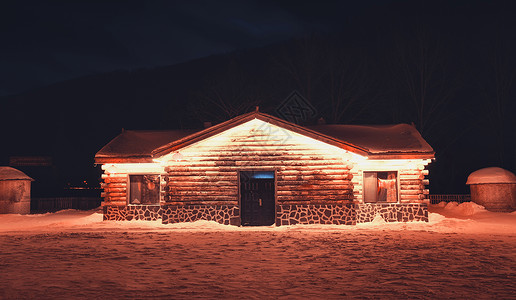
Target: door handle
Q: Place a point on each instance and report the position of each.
(260, 201)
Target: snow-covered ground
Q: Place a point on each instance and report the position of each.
(463, 252)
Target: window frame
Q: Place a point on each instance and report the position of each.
(128, 190)
(364, 192)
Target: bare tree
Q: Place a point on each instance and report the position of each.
(329, 74)
(301, 64)
(420, 70)
(497, 84)
(229, 94)
(347, 88)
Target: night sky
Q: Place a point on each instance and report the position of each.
(66, 65)
(44, 42)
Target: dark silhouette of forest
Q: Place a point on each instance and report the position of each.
(447, 70)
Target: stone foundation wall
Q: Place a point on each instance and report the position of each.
(223, 214)
(392, 212)
(132, 212)
(341, 214)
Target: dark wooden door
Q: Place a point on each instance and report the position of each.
(257, 199)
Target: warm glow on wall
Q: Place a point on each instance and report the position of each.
(393, 164)
(132, 168)
(257, 133)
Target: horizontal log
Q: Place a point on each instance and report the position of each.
(201, 181)
(201, 169)
(317, 202)
(197, 178)
(410, 172)
(220, 160)
(203, 187)
(203, 198)
(306, 171)
(310, 178)
(112, 196)
(315, 193)
(308, 187)
(115, 189)
(321, 182)
(409, 197)
(202, 173)
(294, 164)
(409, 201)
(410, 182)
(202, 193)
(113, 175)
(413, 197)
(215, 159)
(212, 203)
(115, 179)
(424, 172)
(275, 160)
(280, 166)
(108, 196)
(315, 190)
(226, 148)
(115, 203)
(411, 187)
(425, 182)
(119, 194)
(314, 178)
(410, 192)
(413, 177)
(313, 198)
(113, 184)
(426, 192)
(204, 179)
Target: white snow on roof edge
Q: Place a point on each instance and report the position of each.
(491, 175)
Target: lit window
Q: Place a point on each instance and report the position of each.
(144, 189)
(380, 187)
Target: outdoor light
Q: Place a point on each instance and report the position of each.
(177, 157)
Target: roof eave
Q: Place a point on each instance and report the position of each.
(402, 155)
(123, 159)
(216, 129)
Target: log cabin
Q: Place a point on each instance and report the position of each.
(257, 169)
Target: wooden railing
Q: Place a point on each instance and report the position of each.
(40, 205)
(434, 199)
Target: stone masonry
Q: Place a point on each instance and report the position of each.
(223, 214)
(132, 212)
(341, 214)
(392, 212)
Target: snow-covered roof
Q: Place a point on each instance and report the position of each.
(375, 141)
(8, 173)
(133, 143)
(491, 175)
(378, 138)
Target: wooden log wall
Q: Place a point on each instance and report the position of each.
(411, 181)
(114, 187)
(307, 171)
(413, 185)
